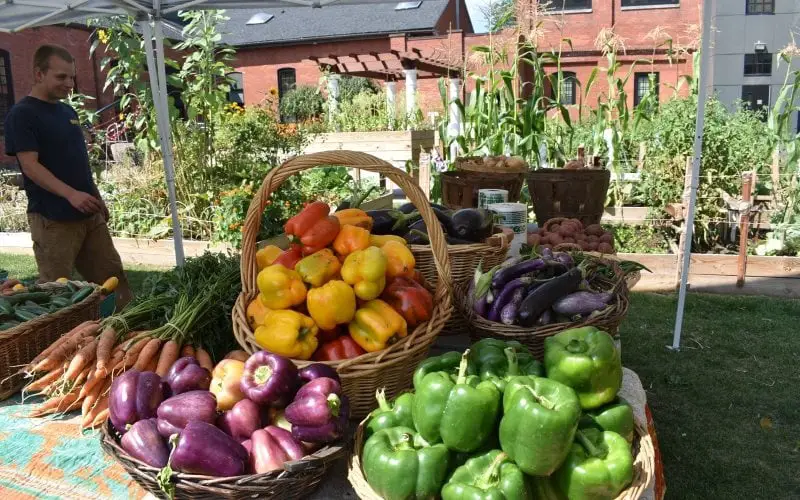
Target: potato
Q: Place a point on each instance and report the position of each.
(578, 224)
(593, 238)
(544, 240)
(579, 237)
(556, 239)
(566, 231)
(554, 228)
(594, 230)
(516, 163)
(584, 245)
(605, 248)
(592, 246)
(542, 231)
(569, 240)
(607, 238)
(534, 239)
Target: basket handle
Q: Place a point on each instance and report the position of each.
(354, 159)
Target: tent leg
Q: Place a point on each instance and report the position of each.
(158, 87)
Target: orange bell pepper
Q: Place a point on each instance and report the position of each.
(354, 217)
(256, 312)
(401, 261)
(351, 239)
(267, 255)
(376, 326)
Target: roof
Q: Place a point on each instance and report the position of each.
(330, 22)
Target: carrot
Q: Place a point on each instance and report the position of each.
(100, 418)
(92, 381)
(92, 397)
(99, 407)
(85, 356)
(150, 350)
(204, 359)
(129, 357)
(169, 354)
(83, 376)
(41, 383)
(60, 353)
(152, 365)
(104, 346)
(72, 333)
(187, 350)
(55, 405)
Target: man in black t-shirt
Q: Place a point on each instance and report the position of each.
(66, 214)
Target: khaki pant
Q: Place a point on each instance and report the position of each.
(85, 245)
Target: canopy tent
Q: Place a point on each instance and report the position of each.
(16, 15)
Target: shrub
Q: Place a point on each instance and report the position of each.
(302, 104)
(351, 86)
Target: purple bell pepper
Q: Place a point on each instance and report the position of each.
(134, 396)
(271, 447)
(204, 449)
(319, 412)
(144, 443)
(176, 412)
(241, 421)
(269, 379)
(315, 371)
(186, 375)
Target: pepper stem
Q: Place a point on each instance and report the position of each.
(513, 362)
(594, 451)
(462, 368)
(577, 346)
(334, 404)
(406, 442)
(262, 374)
(380, 395)
(491, 476)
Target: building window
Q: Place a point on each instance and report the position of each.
(649, 3)
(756, 97)
(569, 88)
(236, 93)
(286, 81)
(570, 5)
(755, 7)
(758, 64)
(644, 84)
(6, 90)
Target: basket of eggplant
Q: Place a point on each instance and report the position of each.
(537, 295)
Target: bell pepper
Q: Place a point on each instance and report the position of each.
(328, 335)
(241, 421)
(351, 239)
(616, 416)
(386, 416)
(225, 383)
(271, 447)
(378, 240)
(266, 256)
(134, 396)
(281, 288)
(177, 411)
(313, 227)
(320, 412)
(447, 362)
(143, 442)
(587, 360)
(489, 476)
(317, 370)
(288, 333)
(376, 325)
(354, 217)
(539, 423)
(365, 271)
(459, 411)
(408, 298)
(256, 313)
(318, 268)
(598, 467)
(341, 348)
(206, 450)
(332, 304)
(269, 379)
(289, 258)
(186, 375)
(400, 260)
(497, 361)
(400, 465)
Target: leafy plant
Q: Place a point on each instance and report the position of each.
(303, 103)
(351, 86)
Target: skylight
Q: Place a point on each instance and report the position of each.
(408, 5)
(260, 18)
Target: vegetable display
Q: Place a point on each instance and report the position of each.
(19, 304)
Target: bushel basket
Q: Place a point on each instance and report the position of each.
(394, 366)
(573, 194)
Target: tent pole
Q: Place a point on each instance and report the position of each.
(158, 87)
(705, 58)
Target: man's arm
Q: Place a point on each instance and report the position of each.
(35, 171)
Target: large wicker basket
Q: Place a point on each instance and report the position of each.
(298, 480)
(644, 465)
(394, 366)
(574, 194)
(19, 345)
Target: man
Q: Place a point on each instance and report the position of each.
(66, 214)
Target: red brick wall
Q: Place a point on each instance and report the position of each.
(447, 22)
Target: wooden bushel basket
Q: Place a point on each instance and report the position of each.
(573, 194)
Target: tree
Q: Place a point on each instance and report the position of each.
(499, 14)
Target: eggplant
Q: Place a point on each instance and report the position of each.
(505, 297)
(186, 375)
(582, 303)
(144, 443)
(419, 226)
(545, 319)
(508, 315)
(472, 224)
(565, 259)
(407, 208)
(507, 274)
(134, 396)
(315, 371)
(545, 295)
(455, 241)
(417, 238)
(547, 254)
(204, 449)
(481, 306)
(382, 221)
(176, 412)
(241, 421)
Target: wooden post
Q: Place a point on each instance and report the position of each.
(687, 187)
(744, 227)
(425, 173)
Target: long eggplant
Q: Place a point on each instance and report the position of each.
(204, 449)
(508, 315)
(382, 221)
(545, 319)
(507, 274)
(505, 297)
(417, 238)
(471, 224)
(545, 295)
(582, 303)
(407, 208)
(176, 412)
(143, 442)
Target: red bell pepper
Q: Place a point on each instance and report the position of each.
(341, 348)
(313, 227)
(420, 278)
(410, 299)
(289, 258)
(328, 335)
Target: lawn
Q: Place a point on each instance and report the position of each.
(725, 407)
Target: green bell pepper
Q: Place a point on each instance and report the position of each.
(539, 423)
(459, 411)
(491, 476)
(447, 362)
(385, 416)
(599, 466)
(497, 361)
(587, 360)
(616, 416)
(399, 465)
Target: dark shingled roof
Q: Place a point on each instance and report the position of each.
(299, 24)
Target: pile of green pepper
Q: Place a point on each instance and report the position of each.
(28, 304)
(495, 424)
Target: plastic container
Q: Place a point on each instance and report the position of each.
(515, 217)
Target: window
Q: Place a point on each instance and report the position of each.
(236, 94)
(644, 83)
(755, 7)
(758, 64)
(286, 83)
(649, 3)
(6, 90)
(259, 18)
(756, 97)
(570, 4)
(569, 88)
(408, 5)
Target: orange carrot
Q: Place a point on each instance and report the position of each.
(187, 350)
(100, 405)
(204, 359)
(150, 350)
(104, 346)
(91, 398)
(92, 381)
(152, 365)
(100, 418)
(169, 354)
(129, 358)
(42, 383)
(84, 357)
(77, 331)
(55, 405)
(59, 354)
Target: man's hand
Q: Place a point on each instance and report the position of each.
(104, 210)
(85, 203)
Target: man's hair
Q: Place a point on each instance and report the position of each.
(41, 59)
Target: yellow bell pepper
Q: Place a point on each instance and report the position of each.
(267, 255)
(288, 333)
(354, 217)
(400, 260)
(365, 271)
(351, 239)
(377, 325)
(378, 240)
(280, 288)
(331, 304)
(225, 383)
(256, 313)
(318, 268)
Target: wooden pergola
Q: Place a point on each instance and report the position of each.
(388, 66)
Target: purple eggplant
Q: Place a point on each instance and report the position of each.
(327, 433)
(144, 443)
(242, 420)
(545, 319)
(186, 375)
(582, 303)
(315, 371)
(269, 379)
(508, 315)
(545, 295)
(506, 295)
(204, 449)
(481, 306)
(547, 254)
(134, 396)
(317, 411)
(564, 258)
(506, 275)
(176, 412)
(272, 447)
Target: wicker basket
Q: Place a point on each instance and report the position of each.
(533, 338)
(644, 465)
(298, 480)
(19, 345)
(574, 194)
(394, 366)
(460, 189)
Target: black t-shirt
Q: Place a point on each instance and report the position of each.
(53, 131)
